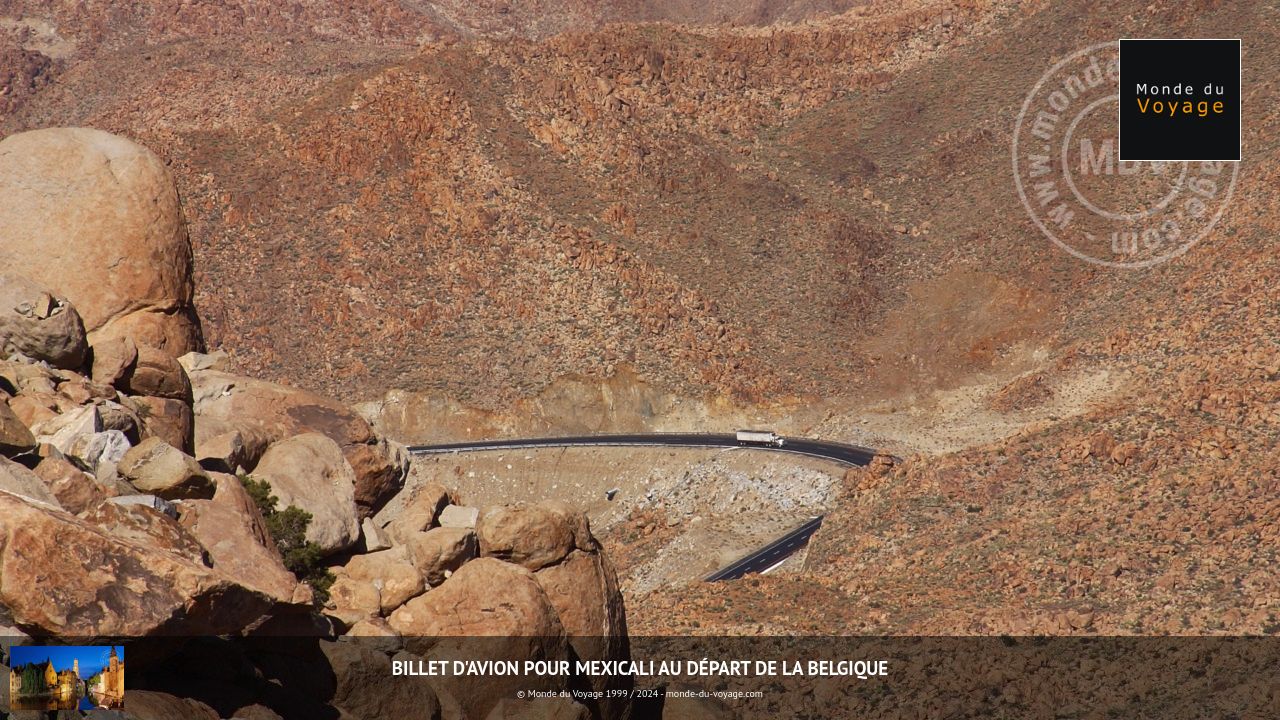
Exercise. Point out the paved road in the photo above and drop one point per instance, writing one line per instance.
(839, 452)
(760, 561)
(770, 556)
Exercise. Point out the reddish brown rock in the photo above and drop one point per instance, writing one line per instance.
(96, 217)
(486, 597)
(75, 489)
(231, 528)
(34, 409)
(157, 468)
(488, 609)
(148, 527)
(391, 573)
(167, 419)
(103, 585)
(352, 601)
(275, 411)
(309, 472)
(15, 437)
(439, 552)
(156, 374)
(584, 590)
(380, 474)
(229, 451)
(20, 481)
(256, 712)
(36, 324)
(533, 536)
(407, 516)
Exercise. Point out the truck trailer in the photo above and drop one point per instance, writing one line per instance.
(748, 438)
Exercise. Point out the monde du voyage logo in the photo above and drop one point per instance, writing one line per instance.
(1125, 153)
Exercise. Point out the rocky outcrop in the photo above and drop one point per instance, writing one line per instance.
(308, 472)
(103, 585)
(36, 324)
(96, 218)
(232, 529)
(265, 412)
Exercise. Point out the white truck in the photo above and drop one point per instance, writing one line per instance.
(759, 437)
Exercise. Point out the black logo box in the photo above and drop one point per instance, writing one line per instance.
(1178, 71)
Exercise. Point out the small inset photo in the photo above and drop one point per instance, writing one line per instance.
(1180, 100)
(65, 677)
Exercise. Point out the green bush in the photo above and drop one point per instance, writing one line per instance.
(288, 529)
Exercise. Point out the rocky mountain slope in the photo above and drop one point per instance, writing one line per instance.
(149, 492)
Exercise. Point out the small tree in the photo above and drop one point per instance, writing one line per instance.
(288, 530)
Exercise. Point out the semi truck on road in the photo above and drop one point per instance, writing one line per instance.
(759, 437)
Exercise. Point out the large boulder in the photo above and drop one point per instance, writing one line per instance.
(380, 472)
(230, 451)
(486, 597)
(488, 610)
(232, 529)
(147, 526)
(584, 591)
(168, 419)
(533, 536)
(309, 472)
(226, 403)
(156, 467)
(156, 374)
(96, 217)
(362, 690)
(113, 358)
(413, 511)
(391, 573)
(353, 601)
(15, 437)
(36, 324)
(63, 576)
(439, 552)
